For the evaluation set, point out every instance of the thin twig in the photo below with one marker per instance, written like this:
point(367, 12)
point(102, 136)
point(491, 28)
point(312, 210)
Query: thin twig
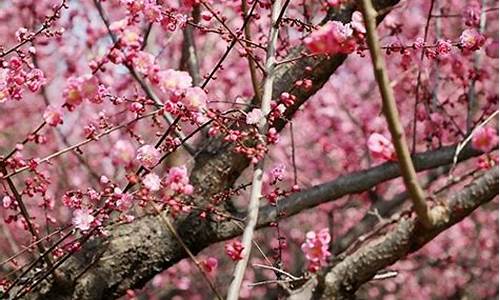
point(176, 235)
point(391, 113)
point(255, 195)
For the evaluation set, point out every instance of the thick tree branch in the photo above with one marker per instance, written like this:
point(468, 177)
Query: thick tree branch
point(136, 252)
point(407, 236)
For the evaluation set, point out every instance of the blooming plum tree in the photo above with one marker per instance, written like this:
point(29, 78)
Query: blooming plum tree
point(254, 149)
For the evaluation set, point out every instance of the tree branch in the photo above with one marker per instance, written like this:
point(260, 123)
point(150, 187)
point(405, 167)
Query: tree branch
point(391, 113)
point(407, 236)
point(256, 191)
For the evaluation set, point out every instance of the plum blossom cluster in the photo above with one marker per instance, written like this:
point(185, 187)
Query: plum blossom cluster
point(332, 38)
point(315, 249)
point(234, 250)
point(169, 17)
point(82, 88)
point(14, 78)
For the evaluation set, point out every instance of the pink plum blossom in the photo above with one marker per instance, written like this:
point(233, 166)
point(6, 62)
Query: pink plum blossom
point(53, 115)
point(471, 39)
point(315, 248)
point(174, 81)
point(333, 37)
point(380, 147)
point(254, 116)
point(195, 98)
point(210, 264)
point(485, 139)
point(82, 219)
point(234, 250)
point(177, 180)
point(152, 182)
point(123, 152)
point(148, 156)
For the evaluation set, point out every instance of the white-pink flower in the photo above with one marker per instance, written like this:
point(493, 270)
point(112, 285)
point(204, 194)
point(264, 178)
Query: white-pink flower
point(152, 182)
point(357, 22)
point(254, 116)
point(485, 139)
point(123, 152)
point(174, 81)
point(82, 219)
point(144, 61)
point(53, 115)
point(196, 98)
point(148, 156)
point(471, 39)
point(380, 147)
point(6, 201)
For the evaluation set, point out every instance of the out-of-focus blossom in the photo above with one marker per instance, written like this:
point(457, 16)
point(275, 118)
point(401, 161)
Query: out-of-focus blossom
point(53, 115)
point(148, 156)
point(380, 147)
point(152, 182)
point(485, 139)
point(333, 37)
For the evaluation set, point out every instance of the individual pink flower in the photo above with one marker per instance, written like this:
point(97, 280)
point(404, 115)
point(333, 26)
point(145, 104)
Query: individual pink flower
point(89, 87)
point(485, 139)
point(152, 182)
point(443, 47)
point(35, 79)
point(174, 81)
point(6, 201)
point(278, 172)
point(144, 62)
point(357, 22)
point(119, 25)
point(196, 98)
point(315, 248)
point(131, 39)
point(471, 39)
point(124, 201)
point(334, 3)
point(82, 219)
point(209, 264)
point(148, 156)
point(178, 181)
point(53, 115)
point(72, 94)
point(234, 250)
point(152, 11)
point(123, 152)
point(380, 147)
point(332, 38)
point(254, 116)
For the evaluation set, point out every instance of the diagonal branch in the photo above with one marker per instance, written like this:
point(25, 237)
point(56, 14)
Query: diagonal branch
point(391, 114)
point(407, 236)
point(256, 192)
